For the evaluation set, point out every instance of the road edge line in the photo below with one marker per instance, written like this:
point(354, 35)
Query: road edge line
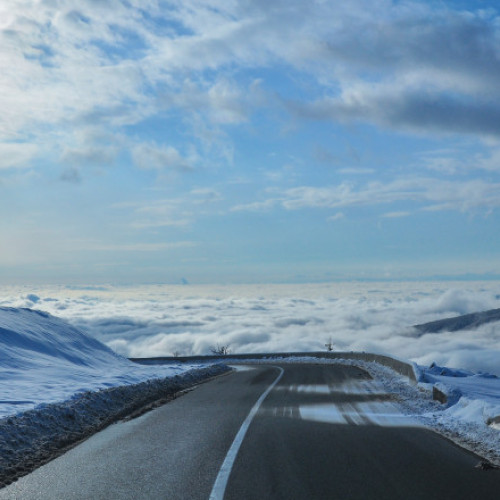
point(219, 487)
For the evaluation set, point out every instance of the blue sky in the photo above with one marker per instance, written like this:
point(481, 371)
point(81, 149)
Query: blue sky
point(248, 141)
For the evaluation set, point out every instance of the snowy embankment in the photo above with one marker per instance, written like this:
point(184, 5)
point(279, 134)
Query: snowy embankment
point(59, 385)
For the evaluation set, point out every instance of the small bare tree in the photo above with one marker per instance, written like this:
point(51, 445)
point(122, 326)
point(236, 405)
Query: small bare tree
point(220, 350)
point(329, 345)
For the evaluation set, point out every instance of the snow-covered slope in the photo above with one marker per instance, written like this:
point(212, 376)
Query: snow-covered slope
point(34, 339)
point(43, 359)
point(463, 322)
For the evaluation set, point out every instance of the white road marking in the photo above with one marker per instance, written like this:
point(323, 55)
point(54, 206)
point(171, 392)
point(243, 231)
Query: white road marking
point(220, 484)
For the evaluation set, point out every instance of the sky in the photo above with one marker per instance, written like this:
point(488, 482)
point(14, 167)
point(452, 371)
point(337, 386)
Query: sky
point(224, 141)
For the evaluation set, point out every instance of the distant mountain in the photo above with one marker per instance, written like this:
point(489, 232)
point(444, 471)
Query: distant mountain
point(467, 321)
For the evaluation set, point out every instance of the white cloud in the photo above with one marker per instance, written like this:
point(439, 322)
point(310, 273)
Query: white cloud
point(410, 66)
point(161, 213)
point(356, 171)
point(427, 193)
point(154, 156)
point(158, 320)
point(142, 247)
point(489, 162)
point(16, 154)
point(177, 211)
point(257, 206)
point(205, 195)
point(89, 146)
point(223, 101)
point(337, 216)
point(396, 215)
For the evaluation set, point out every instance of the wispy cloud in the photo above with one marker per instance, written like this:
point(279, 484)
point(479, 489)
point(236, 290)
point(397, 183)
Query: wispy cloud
point(337, 216)
point(142, 247)
point(257, 206)
point(396, 215)
point(161, 213)
point(177, 211)
point(153, 156)
point(16, 154)
point(425, 193)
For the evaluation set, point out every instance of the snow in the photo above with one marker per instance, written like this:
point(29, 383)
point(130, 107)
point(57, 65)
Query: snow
point(43, 360)
point(469, 384)
point(473, 398)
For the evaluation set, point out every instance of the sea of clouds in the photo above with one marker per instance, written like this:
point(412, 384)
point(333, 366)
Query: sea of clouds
point(162, 320)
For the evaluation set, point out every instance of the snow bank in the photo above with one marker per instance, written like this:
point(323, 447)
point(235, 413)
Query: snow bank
point(29, 439)
point(471, 397)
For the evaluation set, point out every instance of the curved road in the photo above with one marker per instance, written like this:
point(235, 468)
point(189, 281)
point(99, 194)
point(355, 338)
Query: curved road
point(321, 431)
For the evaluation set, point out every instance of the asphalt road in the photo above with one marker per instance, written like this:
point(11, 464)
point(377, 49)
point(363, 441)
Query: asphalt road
point(322, 431)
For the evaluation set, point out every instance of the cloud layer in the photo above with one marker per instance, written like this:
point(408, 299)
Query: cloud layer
point(377, 317)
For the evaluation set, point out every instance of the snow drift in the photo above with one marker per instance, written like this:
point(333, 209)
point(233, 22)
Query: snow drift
point(34, 339)
point(43, 359)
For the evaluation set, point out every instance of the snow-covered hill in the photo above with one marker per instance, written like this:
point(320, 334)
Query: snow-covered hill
point(463, 322)
point(33, 339)
point(43, 359)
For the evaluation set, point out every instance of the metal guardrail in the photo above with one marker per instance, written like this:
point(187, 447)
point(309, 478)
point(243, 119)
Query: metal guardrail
point(405, 368)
